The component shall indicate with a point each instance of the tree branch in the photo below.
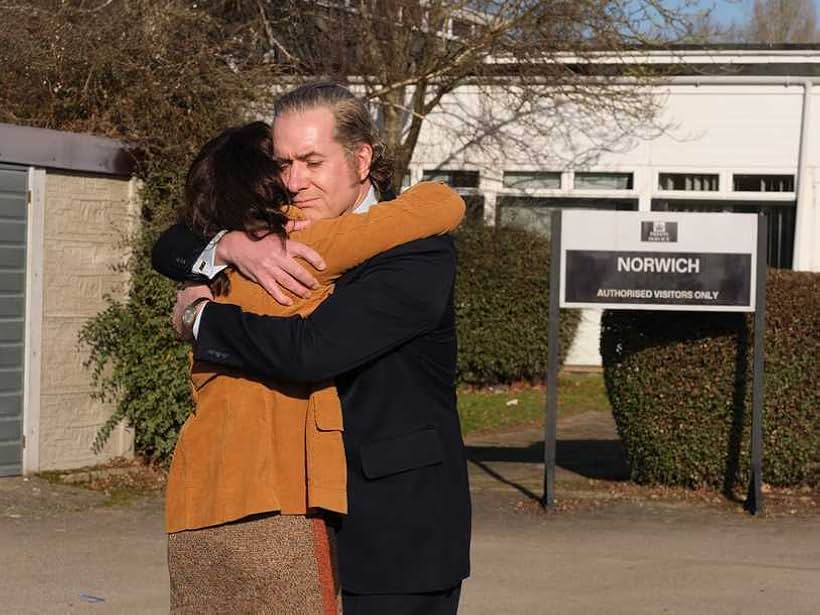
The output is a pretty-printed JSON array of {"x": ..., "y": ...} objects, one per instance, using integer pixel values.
[{"x": 272, "y": 40}]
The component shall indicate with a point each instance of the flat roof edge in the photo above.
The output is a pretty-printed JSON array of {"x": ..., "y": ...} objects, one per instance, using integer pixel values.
[{"x": 68, "y": 151}]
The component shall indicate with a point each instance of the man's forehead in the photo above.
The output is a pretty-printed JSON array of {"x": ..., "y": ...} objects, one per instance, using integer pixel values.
[{"x": 296, "y": 135}]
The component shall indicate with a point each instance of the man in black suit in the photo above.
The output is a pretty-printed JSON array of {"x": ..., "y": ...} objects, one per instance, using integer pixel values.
[{"x": 387, "y": 337}]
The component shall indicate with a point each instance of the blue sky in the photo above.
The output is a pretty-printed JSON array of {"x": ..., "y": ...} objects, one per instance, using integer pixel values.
[{"x": 727, "y": 11}]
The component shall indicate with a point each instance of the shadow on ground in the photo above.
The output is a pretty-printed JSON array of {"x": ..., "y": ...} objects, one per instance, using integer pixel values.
[
  {"x": 588, "y": 449},
  {"x": 595, "y": 459}
]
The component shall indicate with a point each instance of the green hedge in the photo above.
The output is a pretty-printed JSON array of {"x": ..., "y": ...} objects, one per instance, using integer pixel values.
[
  {"x": 502, "y": 306},
  {"x": 680, "y": 388}
]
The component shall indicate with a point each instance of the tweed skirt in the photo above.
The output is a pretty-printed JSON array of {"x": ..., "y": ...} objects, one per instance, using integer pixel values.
[{"x": 273, "y": 564}]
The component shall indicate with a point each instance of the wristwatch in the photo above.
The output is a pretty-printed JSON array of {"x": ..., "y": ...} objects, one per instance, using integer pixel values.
[{"x": 189, "y": 318}]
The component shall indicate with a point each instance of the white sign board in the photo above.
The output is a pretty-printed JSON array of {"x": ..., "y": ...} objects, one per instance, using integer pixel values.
[{"x": 658, "y": 260}]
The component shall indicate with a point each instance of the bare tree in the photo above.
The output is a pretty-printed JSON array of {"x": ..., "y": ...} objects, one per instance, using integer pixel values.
[
  {"x": 158, "y": 73},
  {"x": 536, "y": 63},
  {"x": 782, "y": 21},
  {"x": 706, "y": 29},
  {"x": 538, "y": 70}
]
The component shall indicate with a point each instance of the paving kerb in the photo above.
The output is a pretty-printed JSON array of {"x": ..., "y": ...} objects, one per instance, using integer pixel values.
[{"x": 62, "y": 546}]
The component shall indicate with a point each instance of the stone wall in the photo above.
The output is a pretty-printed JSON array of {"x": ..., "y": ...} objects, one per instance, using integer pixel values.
[{"x": 87, "y": 221}]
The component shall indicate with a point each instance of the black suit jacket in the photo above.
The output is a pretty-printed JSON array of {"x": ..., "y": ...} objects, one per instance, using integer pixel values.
[
  {"x": 387, "y": 336},
  {"x": 175, "y": 253}
]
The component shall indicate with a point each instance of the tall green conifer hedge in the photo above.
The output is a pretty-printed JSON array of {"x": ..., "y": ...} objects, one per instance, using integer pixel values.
[
  {"x": 680, "y": 385},
  {"x": 502, "y": 306}
]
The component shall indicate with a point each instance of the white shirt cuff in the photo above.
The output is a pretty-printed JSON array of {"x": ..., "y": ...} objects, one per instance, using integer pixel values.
[
  {"x": 198, "y": 319},
  {"x": 204, "y": 265}
]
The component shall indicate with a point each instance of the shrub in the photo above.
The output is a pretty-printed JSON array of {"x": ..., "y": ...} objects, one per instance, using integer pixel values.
[
  {"x": 680, "y": 388},
  {"x": 136, "y": 361},
  {"x": 502, "y": 306}
]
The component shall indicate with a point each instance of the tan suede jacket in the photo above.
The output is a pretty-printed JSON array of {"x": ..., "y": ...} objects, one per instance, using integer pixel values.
[{"x": 253, "y": 446}]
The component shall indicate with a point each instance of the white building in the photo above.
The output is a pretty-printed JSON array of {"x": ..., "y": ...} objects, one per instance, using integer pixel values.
[{"x": 740, "y": 135}]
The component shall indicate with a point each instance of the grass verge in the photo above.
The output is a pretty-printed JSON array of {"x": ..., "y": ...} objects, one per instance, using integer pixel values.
[
  {"x": 123, "y": 481},
  {"x": 518, "y": 405}
]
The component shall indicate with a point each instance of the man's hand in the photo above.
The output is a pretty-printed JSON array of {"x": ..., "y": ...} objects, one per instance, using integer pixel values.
[
  {"x": 185, "y": 296},
  {"x": 270, "y": 263}
]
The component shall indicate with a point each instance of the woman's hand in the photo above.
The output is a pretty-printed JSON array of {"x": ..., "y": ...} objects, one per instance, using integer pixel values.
[{"x": 270, "y": 263}]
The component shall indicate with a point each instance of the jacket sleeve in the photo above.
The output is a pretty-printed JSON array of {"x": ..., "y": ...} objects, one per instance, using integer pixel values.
[
  {"x": 396, "y": 297},
  {"x": 425, "y": 210},
  {"x": 175, "y": 253}
]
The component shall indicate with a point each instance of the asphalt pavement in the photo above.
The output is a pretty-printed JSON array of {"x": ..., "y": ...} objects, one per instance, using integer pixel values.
[{"x": 68, "y": 550}]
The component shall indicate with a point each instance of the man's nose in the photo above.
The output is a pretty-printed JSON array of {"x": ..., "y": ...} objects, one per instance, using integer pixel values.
[{"x": 295, "y": 179}]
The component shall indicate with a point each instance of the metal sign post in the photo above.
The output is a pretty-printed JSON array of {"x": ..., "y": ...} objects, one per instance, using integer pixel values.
[
  {"x": 657, "y": 261},
  {"x": 553, "y": 341},
  {"x": 754, "y": 499}
]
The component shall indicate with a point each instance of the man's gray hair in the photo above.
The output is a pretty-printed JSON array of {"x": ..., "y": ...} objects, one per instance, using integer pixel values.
[{"x": 354, "y": 124}]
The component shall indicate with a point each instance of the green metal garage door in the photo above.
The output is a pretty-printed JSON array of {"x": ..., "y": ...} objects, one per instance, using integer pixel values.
[{"x": 13, "y": 192}]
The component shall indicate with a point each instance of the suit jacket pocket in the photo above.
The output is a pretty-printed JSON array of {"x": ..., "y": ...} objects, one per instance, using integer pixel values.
[{"x": 408, "y": 452}]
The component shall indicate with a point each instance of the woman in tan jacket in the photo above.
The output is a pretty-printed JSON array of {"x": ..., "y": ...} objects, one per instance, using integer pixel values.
[{"x": 260, "y": 465}]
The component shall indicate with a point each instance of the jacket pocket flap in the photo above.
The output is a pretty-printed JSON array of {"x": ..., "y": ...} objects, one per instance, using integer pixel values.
[
  {"x": 327, "y": 409},
  {"x": 329, "y": 417},
  {"x": 408, "y": 452}
]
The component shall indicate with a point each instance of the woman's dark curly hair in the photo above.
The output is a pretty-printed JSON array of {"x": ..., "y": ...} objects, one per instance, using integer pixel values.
[{"x": 233, "y": 184}]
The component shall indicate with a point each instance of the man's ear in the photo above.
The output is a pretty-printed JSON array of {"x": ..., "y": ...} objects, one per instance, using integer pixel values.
[{"x": 363, "y": 160}]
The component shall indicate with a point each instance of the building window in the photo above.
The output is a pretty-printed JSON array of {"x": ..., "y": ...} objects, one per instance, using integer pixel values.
[
  {"x": 764, "y": 183},
  {"x": 689, "y": 182},
  {"x": 456, "y": 179},
  {"x": 533, "y": 213},
  {"x": 532, "y": 180},
  {"x": 603, "y": 181},
  {"x": 475, "y": 208},
  {"x": 780, "y": 243}
]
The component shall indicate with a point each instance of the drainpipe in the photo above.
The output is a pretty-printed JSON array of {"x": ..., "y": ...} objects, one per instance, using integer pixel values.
[{"x": 802, "y": 188}]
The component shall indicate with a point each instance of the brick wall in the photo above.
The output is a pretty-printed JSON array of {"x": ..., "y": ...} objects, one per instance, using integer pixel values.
[{"x": 87, "y": 219}]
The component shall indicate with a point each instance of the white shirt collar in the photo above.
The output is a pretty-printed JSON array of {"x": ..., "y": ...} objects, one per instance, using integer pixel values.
[{"x": 368, "y": 201}]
